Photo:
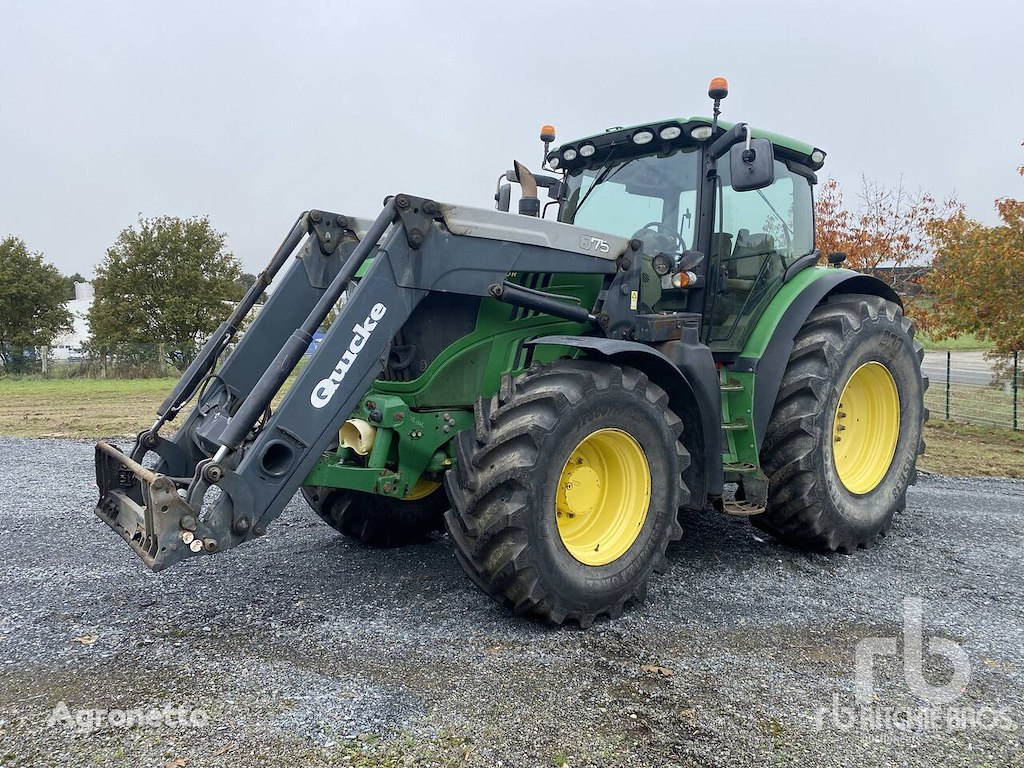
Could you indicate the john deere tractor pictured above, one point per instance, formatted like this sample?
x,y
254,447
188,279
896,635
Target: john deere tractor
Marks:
x,y
560,389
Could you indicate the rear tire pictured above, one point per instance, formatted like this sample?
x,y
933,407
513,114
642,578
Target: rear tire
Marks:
x,y
380,521
576,439
823,493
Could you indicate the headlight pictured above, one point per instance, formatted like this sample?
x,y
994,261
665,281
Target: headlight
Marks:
x,y
587,150
643,137
569,155
817,157
701,133
553,161
662,264
670,132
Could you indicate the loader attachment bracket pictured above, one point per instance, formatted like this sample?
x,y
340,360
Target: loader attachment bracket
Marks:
x,y
147,510
333,236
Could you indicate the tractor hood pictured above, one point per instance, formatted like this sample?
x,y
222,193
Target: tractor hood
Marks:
x,y
499,225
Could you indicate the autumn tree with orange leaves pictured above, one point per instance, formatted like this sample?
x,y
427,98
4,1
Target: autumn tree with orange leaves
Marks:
x,y
888,228
977,280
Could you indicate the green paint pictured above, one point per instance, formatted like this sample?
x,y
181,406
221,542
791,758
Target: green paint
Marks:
x,y
474,364
408,443
741,454
778,139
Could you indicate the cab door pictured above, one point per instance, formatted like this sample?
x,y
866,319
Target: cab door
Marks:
x,y
757,235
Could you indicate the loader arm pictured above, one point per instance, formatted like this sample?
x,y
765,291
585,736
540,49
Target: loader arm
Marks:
x,y
257,459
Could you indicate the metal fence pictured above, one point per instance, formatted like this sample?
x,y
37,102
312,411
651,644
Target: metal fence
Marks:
x,y
973,388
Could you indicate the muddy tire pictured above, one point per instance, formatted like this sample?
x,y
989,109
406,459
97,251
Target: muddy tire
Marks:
x,y
554,511
379,521
842,443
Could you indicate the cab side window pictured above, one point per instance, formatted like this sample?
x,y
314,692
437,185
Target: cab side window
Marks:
x,y
758,234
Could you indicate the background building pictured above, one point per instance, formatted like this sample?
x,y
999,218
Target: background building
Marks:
x,y
68,346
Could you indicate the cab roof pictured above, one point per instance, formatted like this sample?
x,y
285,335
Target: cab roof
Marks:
x,y
794,148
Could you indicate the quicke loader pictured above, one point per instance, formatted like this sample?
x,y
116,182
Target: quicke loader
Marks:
x,y
560,394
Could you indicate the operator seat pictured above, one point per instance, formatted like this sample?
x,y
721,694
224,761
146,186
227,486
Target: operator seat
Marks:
x,y
748,261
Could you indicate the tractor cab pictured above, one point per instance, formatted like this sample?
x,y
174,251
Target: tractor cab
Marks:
x,y
716,241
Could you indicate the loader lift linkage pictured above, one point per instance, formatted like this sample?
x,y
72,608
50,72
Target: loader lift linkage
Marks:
x,y
258,465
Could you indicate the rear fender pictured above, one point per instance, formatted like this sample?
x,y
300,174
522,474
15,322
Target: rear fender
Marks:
x,y
767,351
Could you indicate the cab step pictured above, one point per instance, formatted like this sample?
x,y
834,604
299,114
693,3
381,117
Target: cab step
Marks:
x,y
741,508
742,468
735,426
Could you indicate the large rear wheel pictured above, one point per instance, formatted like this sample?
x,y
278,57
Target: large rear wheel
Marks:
x,y
842,444
566,493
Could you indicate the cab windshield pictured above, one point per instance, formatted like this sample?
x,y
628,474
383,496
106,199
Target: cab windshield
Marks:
x,y
639,196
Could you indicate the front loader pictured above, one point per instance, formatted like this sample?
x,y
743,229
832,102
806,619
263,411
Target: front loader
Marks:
x,y
559,394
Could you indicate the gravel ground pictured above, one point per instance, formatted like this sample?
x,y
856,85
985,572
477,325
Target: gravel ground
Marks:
x,y
304,648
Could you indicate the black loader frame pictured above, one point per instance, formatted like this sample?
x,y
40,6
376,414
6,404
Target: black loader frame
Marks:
x,y
235,464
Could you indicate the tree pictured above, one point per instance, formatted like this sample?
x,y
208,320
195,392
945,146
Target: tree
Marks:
x,y
31,303
245,282
166,281
977,278
887,229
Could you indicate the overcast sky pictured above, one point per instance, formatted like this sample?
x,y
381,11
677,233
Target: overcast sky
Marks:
x,y
252,112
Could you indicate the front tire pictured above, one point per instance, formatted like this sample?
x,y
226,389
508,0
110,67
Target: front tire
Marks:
x,y
566,493
380,521
842,444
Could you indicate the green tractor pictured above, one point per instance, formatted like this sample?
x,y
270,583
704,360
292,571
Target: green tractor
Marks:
x,y
561,392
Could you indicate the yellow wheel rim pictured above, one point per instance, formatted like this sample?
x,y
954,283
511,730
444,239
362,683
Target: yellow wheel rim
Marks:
x,y
422,488
865,428
603,495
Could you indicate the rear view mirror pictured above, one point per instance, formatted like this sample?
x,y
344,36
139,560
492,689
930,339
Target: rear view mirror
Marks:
x,y
752,168
503,197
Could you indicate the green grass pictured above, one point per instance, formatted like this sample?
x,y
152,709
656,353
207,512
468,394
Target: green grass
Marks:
x,y
88,408
966,342
91,408
965,449
978,438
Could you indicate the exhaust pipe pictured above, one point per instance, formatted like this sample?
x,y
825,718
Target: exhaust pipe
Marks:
x,y
529,203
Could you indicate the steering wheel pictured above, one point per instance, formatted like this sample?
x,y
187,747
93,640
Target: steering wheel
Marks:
x,y
665,238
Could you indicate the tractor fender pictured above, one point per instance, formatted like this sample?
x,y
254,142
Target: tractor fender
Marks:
x,y
788,312
686,371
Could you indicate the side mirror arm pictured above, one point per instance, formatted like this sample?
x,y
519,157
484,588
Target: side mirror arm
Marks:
x,y
721,145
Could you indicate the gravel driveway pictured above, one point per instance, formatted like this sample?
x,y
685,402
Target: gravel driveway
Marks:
x,y
304,648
